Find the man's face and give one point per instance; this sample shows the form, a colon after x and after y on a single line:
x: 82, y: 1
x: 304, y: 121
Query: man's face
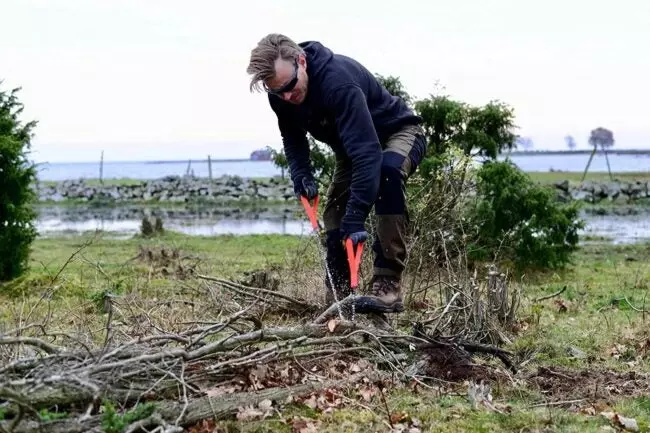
x: 290, y: 80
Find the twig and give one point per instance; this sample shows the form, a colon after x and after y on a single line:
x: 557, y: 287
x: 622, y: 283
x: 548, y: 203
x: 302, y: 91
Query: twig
x: 46, y: 347
x: 558, y: 293
x: 345, y: 305
x: 383, y: 399
x: 555, y: 403
x: 233, y: 285
x: 451, y: 301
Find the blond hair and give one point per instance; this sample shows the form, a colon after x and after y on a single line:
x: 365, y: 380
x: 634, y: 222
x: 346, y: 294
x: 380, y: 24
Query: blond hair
x: 262, y: 61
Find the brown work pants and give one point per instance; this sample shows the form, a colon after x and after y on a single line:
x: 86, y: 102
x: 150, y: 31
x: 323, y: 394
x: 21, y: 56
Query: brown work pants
x: 402, y: 153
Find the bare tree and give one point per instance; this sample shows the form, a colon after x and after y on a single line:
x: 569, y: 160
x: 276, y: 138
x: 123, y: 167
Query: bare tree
x: 570, y: 142
x: 603, y: 138
x: 526, y: 143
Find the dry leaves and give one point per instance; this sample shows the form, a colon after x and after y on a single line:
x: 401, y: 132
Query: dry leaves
x: 248, y: 413
x: 401, y: 422
x: 627, y: 424
x: 304, y: 425
x: 325, y: 400
x: 562, y: 305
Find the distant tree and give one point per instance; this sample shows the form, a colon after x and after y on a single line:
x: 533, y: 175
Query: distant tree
x: 570, y: 142
x: 17, y: 174
x: 525, y: 143
x: 601, y: 137
x: 395, y: 87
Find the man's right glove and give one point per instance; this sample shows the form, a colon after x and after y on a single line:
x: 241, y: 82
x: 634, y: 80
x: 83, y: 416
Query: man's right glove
x: 358, y: 237
x: 306, y: 187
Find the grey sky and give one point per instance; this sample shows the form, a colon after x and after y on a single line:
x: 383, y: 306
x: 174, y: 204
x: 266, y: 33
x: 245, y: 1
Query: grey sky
x: 141, y: 76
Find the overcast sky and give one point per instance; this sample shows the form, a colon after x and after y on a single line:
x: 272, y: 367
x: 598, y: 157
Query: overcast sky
x: 143, y: 76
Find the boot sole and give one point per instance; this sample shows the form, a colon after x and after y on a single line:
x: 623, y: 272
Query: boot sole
x: 370, y: 304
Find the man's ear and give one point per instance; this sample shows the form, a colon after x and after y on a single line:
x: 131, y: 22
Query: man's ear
x: 302, y: 60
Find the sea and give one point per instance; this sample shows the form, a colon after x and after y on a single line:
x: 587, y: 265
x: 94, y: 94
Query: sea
x: 533, y: 162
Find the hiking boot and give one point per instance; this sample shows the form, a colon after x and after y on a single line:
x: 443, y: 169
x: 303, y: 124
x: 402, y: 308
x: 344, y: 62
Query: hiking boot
x: 386, y: 294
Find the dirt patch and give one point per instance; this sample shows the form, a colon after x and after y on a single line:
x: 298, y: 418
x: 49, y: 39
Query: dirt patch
x: 454, y: 365
x: 566, y: 384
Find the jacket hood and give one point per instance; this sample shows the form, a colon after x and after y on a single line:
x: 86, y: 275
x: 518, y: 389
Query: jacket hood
x: 317, y: 55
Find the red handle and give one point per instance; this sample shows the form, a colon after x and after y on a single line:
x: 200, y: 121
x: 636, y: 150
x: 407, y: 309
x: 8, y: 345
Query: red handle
x: 354, y: 260
x: 311, y: 210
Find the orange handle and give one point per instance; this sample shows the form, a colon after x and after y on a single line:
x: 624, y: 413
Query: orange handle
x: 354, y: 260
x: 311, y: 210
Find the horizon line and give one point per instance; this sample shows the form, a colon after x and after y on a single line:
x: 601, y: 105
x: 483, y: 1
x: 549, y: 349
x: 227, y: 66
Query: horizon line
x: 631, y: 151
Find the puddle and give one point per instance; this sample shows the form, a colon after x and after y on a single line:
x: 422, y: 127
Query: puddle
x: 619, y: 229
x: 125, y: 221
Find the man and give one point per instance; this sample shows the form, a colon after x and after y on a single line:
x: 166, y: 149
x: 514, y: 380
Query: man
x: 377, y: 141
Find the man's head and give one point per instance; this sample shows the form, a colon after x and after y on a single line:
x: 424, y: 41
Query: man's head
x: 279, y: 66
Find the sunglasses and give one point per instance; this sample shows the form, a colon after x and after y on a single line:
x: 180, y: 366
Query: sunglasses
x: 287, y: 87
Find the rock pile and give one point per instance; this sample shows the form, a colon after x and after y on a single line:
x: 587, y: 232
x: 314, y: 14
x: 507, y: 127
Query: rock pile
x: 596, y: 192
x: 235, y: 188
x: 171, y: 189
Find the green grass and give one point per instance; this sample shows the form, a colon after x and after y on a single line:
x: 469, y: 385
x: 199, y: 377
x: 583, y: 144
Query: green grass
x: 590, y: 315
x: 226, y: 255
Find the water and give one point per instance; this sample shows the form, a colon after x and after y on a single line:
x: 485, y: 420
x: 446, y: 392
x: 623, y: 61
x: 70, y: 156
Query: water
x: 577, y: 162
x: 150, y: 170
x: 193, y: 220
x: 245, y: 168
x: 205, y: 221
x: 620, y: 229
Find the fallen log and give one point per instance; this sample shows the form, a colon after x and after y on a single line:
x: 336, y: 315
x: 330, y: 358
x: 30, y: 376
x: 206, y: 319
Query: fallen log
x: 184, y: 415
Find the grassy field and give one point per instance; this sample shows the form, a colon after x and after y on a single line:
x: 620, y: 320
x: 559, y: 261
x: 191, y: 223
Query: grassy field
x: 583, y: 352
x: 574, y: 176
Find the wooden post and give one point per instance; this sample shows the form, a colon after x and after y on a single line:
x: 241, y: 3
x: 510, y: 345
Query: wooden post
x: 101, y: 169
x: 189, y: 164
x: 209, y: 167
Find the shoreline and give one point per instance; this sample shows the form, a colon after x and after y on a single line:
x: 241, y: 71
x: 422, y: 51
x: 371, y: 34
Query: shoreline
x: 541, y: 152
x: 597, y: 188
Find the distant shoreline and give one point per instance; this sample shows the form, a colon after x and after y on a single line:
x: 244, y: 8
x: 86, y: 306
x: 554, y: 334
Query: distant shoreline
x: 216, y: 160
x: 578, y: 152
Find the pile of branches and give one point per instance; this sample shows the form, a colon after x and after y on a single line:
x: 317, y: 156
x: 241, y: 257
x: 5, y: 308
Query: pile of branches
x: 166, y: 381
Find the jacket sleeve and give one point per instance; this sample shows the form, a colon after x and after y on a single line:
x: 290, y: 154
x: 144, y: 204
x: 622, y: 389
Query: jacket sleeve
x: 361, y: 144
x: 294, y: 141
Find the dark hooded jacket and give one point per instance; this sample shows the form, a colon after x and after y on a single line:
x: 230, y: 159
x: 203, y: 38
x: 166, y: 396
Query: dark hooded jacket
x: 348, y: 109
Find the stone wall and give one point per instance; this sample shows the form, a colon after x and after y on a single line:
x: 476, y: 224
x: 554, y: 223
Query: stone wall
x: 170, y: 189
x: 608, y: 191
x: 234, y: 188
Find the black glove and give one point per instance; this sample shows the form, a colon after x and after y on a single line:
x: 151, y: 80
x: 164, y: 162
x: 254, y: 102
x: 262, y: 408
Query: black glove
x: 306, y: 187
x: 356, y: 235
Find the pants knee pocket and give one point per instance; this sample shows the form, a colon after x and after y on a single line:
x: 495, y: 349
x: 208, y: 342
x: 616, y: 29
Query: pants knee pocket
x: 390, y: 199
x: 417, y: 152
